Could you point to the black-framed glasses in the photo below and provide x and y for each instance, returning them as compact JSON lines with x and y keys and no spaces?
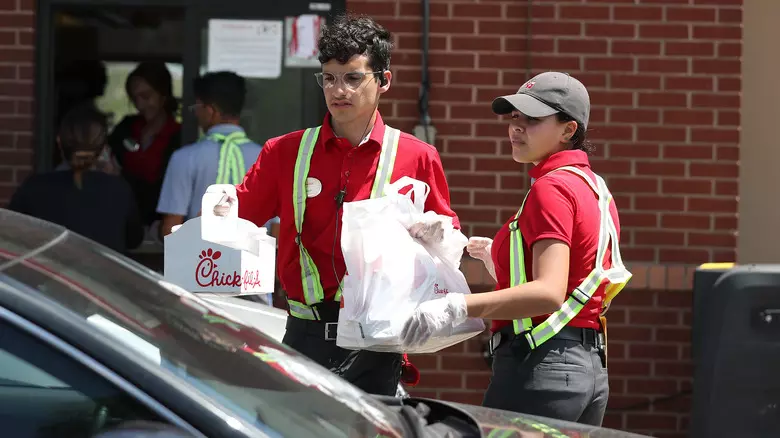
{"x":351,"y":79}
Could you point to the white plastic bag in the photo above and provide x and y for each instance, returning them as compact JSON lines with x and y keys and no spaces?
{"x":390,"y":273}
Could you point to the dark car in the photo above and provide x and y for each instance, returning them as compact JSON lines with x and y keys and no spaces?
{"x":91,"y":341}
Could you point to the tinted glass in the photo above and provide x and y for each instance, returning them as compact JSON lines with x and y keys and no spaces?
{"x":263,"y":382}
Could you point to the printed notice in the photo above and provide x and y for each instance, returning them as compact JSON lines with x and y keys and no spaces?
{"x":302,"y":33}
{"x":250,"y":48}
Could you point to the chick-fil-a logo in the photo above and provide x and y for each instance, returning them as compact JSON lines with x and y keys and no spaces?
{"x":438,"y":291}
{"x":207,"y":273}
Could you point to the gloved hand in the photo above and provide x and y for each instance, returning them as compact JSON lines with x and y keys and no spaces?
{"x":224,"y":205}
{"x":429,"y":231}
{"x":431,"y":316}
{"x":479,"y":248}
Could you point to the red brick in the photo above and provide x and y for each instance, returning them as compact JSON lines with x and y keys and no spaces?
{"x":657,"y":203}
{"x":710,"y":135}
{"x":475,"y":43}
{"x":667,"y":99}
{"x":729,"y":15}
{"x":686,"y":186}
{"x":556,"y":28}
{"x":633,"y":82}
{"x":663,"y":134}
{"x":717,"y":32}
{"x":660,"y":168}
{"x":716,"y":66}
{"x":715,"y":170}
{"x":712,"y":205}
{"x":634,"y":116}
{"x":451,"y":26}
{"x":663,"y":31}
{"x":692,"y":48}
{"x":583,"y":12}
{"x":726,"y":50}
{"x":654,"y":422}
{"x":726,"y":188}
{"x":634,"y":150}
{"x":653,"y":351}
{"x":582,"y":46}
{"x":689,"y":117}
{"x":609,"y":30}
{"x":688,"y":256}
{"x":688,"y":152}
{"x":636,"y":47}
{"x":689,"y":14}
{"x":689,"y":83}
{"x":465,"y":10}
{"x":638,"y":13}
{"x":715,"y":100}
{"x":663,"y":65}
{"x":659,"y":238}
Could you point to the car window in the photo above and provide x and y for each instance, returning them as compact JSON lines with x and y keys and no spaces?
{"x":45,"y":393}
{"x":259,"y":380}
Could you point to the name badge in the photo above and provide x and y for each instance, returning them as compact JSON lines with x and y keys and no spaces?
{"x":313,"y":187}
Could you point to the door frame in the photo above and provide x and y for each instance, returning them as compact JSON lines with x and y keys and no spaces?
{"x":196,"y":15}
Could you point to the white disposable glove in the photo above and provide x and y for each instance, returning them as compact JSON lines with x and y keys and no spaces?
{"x":224,"y":205}
{"x":431,"y":231}
{"x":432,"y":316}
{"x":479,"y":248}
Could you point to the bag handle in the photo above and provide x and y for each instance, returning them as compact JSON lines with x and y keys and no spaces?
{"x":419,"y":188}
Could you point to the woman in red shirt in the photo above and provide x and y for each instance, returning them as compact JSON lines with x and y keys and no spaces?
{"x":556,"y":263}
{"x":143,"y":142}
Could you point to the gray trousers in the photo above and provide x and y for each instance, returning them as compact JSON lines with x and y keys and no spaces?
{"x":561,"y":379}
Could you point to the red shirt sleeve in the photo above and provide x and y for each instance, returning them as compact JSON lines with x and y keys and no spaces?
{"x":548,"y":212}
{"x":257,"y":194}
{"x":439,"y":198}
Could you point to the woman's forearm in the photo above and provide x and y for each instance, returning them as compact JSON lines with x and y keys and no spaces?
{"x":525,"y":301}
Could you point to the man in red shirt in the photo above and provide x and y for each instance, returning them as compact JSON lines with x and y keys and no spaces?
{"x":304,"y":177}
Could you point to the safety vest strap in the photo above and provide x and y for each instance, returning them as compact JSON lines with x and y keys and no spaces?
{"x":617,"y":275}
{"x":313,"y":292}
{"x":231,"y":168}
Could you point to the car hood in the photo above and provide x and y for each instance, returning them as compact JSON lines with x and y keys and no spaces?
{"x":496,"y":423}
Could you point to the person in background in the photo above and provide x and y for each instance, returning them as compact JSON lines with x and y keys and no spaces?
{"x":220,"y":157}
{"x":143,"y":143}
{"x":95,"y":204}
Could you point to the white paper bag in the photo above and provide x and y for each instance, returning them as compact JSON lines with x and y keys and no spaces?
{"x":223,"y":255}
{"x":390,"y":273}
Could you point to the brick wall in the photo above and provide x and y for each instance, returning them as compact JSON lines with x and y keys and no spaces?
{"x":16,"y":93}
{"x":664,"y":79}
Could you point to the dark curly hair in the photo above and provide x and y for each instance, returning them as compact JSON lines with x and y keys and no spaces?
{"x":579,"y":141}
{"x":354,"y":35}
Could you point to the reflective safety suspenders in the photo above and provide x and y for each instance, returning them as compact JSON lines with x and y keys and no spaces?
{"x":617,"y":274}
{"x":310,"y":276}
{"x":231,"y":160}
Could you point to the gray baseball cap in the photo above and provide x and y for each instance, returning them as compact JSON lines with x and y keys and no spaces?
{"x":546,"y":94}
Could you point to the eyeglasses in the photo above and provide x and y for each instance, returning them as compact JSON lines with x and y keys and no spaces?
{"x":351,"y":79}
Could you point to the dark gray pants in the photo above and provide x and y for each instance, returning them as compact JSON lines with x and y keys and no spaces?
{"x":561,"y":379}
{"x":373,"y":372}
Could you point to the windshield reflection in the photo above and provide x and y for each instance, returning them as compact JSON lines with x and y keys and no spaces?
{"x":261,"y":381}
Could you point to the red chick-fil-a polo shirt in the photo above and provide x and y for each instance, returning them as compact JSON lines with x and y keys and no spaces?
{"x":267,"y":191}
{"x":560,"y":206}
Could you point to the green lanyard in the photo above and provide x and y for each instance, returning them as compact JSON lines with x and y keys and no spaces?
{"x":231,"y":160}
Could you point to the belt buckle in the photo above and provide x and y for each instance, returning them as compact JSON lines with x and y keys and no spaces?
{"x":328,"y":326}
{"x":495,"y":341}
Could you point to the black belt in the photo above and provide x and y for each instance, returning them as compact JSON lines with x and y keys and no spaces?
{"x":585,"y":336}
{"x":325,"y":326}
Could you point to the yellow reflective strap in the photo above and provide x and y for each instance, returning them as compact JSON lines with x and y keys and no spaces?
{"x":310,"y":276}
{"x":617,"y":275}
{"x":386,"y":161}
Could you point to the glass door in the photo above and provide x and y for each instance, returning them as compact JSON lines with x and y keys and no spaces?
{"x":273,"y":45}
